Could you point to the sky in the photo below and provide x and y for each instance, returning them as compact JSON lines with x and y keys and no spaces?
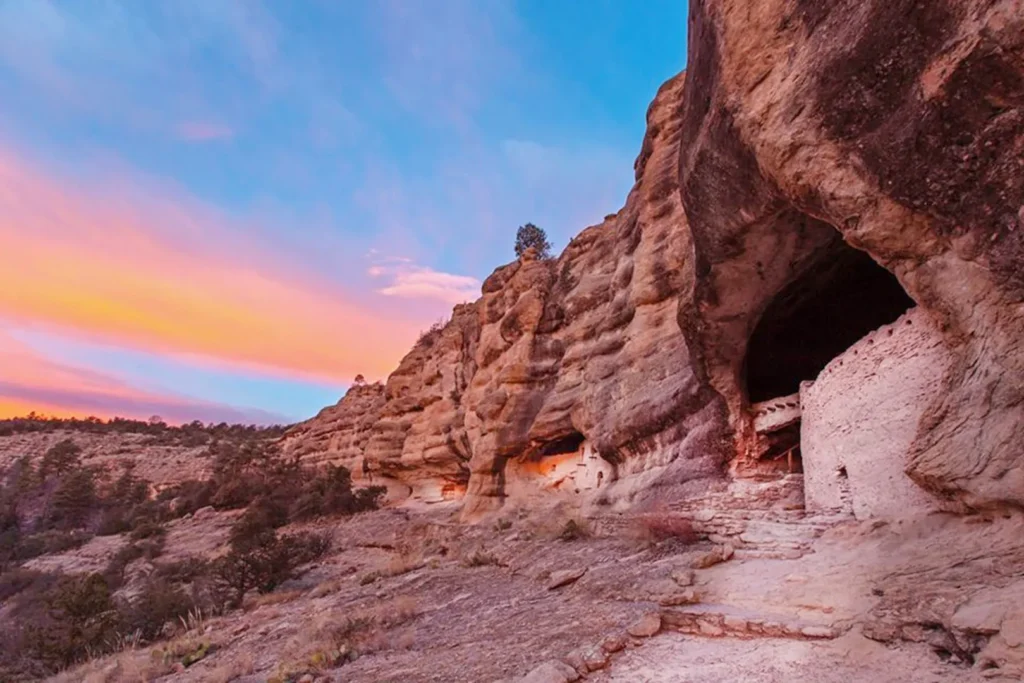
{"x":225,"y":210}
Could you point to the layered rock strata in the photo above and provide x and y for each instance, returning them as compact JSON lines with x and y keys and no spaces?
{"x":821,"y":169}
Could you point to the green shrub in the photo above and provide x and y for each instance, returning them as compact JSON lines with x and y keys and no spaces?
{"x":148,"y":529}
{"x":19,"y":579}
{"x":74,"y":501}
{"x":264,"y":561}
{"x":150,"y":549}
{"x":157,"y":604}
{"x":48,"y":542}
{"x":79,"y":619}
{"x":62,"y":457}
{"x":184,"y":570}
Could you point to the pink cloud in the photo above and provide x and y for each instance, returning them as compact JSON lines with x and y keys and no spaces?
{"x":203,"y":131}
{"x":31,"y":382}
{"x":113,"y":260}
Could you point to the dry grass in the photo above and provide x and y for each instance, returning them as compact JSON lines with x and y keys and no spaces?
{"x":424,"y":546}
{"x":409,"y":556}
{"x":236,"y":666}
{"x":147,"y":664}
{"x":131,"y":666}
{"x":327,"y":588}
{"x":479,"y":557}
{"x":334,"y":639}
{"x":558,"y":524}
{"x":275,"y":598}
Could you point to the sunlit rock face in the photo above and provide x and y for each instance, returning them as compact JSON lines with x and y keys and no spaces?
{"x":585,"y":347}
{"x":822,"y":170}
{"x":339,"y":433}
{"x":898,"y":126}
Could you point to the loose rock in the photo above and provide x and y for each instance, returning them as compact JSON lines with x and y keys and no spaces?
{"x":553,"y":671}
{"x":646,"y":626}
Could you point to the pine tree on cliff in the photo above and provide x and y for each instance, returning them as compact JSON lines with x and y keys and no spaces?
{"x":530,"y":235}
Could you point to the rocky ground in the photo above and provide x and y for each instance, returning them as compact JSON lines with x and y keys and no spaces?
{"x":421,"y":597}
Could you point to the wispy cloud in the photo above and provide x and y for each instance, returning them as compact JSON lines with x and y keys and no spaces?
{"x":31,"y":382}
{"x":166,"y":274}
{"x":203,"y":131}
{"x":408,"y":281}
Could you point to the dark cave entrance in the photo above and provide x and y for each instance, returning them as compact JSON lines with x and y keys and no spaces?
{"x":842,"y":297}
{"x":569,"y":443}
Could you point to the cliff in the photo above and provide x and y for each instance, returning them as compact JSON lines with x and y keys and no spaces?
{"x":821,"y":169}
{"x":578,"y":358}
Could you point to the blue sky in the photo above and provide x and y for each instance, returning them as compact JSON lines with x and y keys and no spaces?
{"x":359,"y":166}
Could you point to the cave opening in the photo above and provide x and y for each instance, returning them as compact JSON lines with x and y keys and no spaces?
{"x":569,"y":443}
{"x":840,"y":298}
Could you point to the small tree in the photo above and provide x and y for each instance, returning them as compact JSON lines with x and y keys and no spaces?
{"x":62,"y":457}
{"x":530,"y":235}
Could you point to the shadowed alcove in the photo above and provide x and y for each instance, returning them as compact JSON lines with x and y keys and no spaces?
{"x":836,"y":301}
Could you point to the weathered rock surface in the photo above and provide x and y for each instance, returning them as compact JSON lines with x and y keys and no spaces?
{"x":821,"y":169}
{"x":339,"y":433}
{"x":900,"y":125}
{"x":567,"y":374}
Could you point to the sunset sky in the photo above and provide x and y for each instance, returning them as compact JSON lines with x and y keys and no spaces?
{"x":225,"y":210}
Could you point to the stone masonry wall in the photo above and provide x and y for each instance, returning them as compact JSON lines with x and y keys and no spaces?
{"x":860,"y":418}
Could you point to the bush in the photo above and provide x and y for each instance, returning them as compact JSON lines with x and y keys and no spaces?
{"x":57,"y":621}
{"x":149,"y":548}
{"x":263,"y":560}
{"x":185,"y":570}
{"x":60,"y":458}
{"x":330,"y":492}
{"x":148,"y":529}
{"x":74,"y":501}
{"x":113,"y":521}
{"x":573,"y":530}
{"x":48,"y":542}
{"x":79,"y":620}
{"x":17,"y":580}
{"x":158,"y":603}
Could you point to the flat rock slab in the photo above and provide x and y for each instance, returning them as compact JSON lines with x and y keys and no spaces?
{"x":565,"y":577}
{"x":677,"y":658}
{"x":554,"y":671}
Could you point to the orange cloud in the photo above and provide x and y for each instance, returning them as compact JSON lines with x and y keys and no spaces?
{"x":10,"y":407}
{"x":29,"y":382}
{"x":158,"y":273}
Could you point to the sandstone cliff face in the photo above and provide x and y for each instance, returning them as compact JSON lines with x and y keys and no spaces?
{"x":576,"y":359}
{"x":899,"y":125}
{"x":339,"y":433}
{"x":821,"y":169}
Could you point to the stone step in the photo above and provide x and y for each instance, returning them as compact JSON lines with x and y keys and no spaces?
{"x":718,"y":621}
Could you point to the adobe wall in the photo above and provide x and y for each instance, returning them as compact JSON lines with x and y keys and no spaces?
{"x":579,"y":472}
{"x":860,"y":417}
